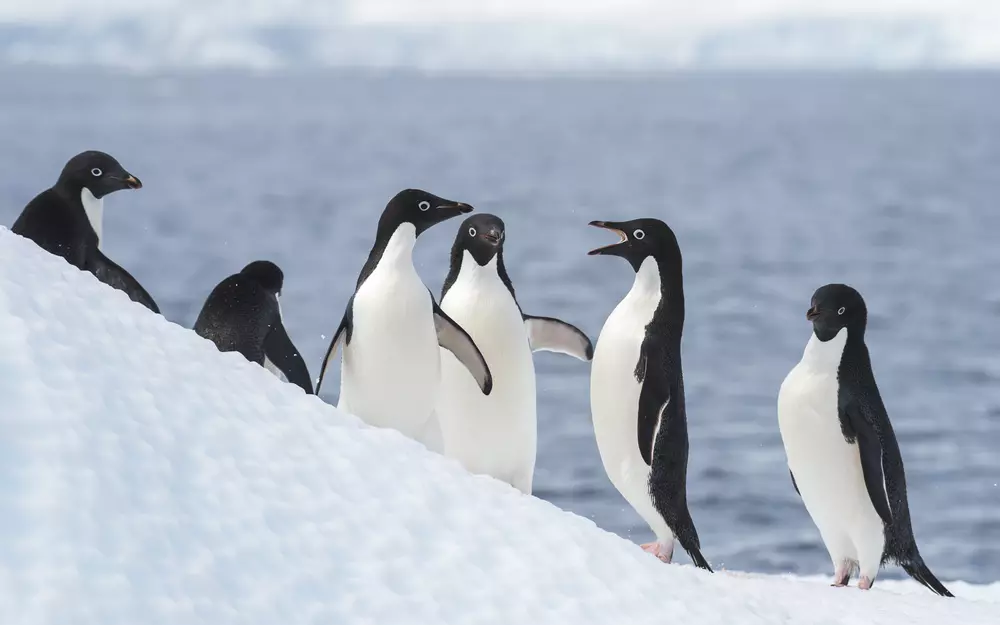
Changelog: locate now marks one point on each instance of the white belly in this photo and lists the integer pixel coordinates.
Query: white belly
(614, 398)
(826, 468)
(391, 368)
(493, 434)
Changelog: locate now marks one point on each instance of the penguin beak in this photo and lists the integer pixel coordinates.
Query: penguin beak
(812, 314)
(461, 208)
(608, 248)
(493, 237)
(132, 182)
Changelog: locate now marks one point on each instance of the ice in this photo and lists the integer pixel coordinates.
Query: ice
(503, 35)
(145, 477)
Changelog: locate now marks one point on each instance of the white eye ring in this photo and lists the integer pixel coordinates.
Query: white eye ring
(96, 172)
(841, 311)
(639, 235)
(424, 205)
(472, 232)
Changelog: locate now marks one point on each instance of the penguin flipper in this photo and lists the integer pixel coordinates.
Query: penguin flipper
(279, 349)
(456, 340)
(654, 397)
(862, 424)
(343, 335)
(549, 334)
(919, 571)
(110, 273)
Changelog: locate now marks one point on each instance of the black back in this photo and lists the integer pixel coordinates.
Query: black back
(57, 222)
(242, 315)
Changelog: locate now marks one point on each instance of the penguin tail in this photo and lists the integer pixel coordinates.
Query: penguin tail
(700, 561)
(916, 569)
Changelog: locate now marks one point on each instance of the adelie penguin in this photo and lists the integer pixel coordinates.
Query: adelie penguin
(495, 434)
(242, 314)
(392, 328)
(842, 452)
(67, 219)
(637, 387)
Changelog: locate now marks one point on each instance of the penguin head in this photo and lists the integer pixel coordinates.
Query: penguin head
(420, 208)
(638, 240)
(266, 274)
(482, 236)
(834, 307)
(97, 172)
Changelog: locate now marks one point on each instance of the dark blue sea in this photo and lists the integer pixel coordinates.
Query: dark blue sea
(775, 185)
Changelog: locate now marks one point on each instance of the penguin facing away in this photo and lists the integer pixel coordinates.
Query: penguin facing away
(67, 219)
(843, 456)
(242, 314)
(495, 434)
(392, 328)
(637, 387)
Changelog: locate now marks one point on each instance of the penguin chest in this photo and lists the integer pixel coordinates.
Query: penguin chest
(391, 367)
(614, 396)
(826, 468)
(493, 434)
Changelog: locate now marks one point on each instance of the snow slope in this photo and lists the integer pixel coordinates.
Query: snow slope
(503, 35)
(147, 478)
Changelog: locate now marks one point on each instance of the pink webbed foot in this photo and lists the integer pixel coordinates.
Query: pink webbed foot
(865, 583)
(664, 553)
(841, 576)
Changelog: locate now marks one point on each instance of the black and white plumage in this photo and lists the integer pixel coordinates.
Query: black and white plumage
(637, 387)
(242, 314)
(392, 329)
(842, 452)
(67, 219)
(495, 434)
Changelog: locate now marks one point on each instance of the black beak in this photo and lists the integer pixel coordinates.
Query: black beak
(132, 181)
(608, 248)
(493, 237)
(460, 208)
(812, 314)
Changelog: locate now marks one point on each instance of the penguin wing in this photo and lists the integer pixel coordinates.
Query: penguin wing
(858, 417)
(278, 348)
(658, 388)
(452, 337)
(46, 222)
(547, 334)
(108, 272)
(342, 335)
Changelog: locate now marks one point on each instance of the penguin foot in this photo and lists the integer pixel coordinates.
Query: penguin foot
(864, 583)
(664, 553)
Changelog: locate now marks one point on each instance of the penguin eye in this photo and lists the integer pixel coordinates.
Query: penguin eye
(639, 235)
(841, 311)
(424, 205)
(96, 172)
(472, 232)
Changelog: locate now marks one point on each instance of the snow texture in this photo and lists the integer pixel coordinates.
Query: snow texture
(145, 477)
(505, 36)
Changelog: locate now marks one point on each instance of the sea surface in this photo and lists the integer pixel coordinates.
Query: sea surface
(774, 183)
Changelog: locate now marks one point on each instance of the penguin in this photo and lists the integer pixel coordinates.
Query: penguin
(495, 434)
(637, 387)
(242, 314)
(67, 219)
(393, 327)
(842, 453)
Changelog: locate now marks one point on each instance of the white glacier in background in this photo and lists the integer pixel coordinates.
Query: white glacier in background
(147, 478)
(511, 36)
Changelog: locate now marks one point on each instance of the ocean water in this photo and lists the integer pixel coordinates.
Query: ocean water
(775, 185)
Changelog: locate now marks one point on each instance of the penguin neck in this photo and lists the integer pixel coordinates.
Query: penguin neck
(825, 355)
(465, 268)
(664, 282)
(392, 252)
(94, 208)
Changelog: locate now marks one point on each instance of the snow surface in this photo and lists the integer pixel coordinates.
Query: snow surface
(145, 477)
(503, 35)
